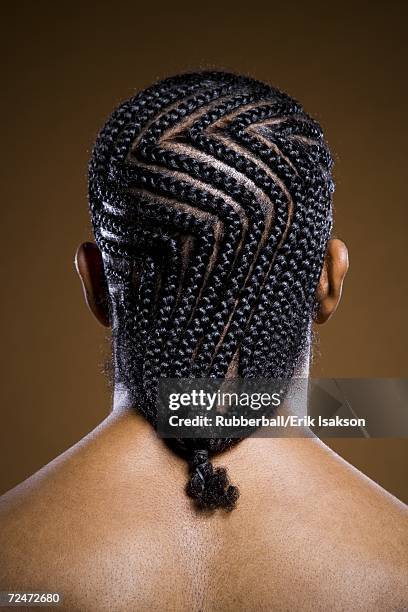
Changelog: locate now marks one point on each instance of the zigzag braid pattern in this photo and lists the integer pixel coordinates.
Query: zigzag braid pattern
(210, 197)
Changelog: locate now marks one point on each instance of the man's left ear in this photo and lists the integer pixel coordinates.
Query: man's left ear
(89, 265)
(330, 285)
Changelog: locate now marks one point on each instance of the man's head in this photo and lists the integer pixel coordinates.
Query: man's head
(210, 197)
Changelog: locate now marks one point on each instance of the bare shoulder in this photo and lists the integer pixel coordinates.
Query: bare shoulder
(321, 524)
(89, 525)
(368, 530)
(41, 526)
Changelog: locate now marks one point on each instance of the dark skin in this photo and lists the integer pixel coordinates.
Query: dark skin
(109, 526)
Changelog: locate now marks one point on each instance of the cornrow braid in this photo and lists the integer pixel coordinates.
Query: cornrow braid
(210, 196)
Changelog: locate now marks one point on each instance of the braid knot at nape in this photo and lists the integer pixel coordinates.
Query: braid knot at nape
(210, 197)
(209, 486)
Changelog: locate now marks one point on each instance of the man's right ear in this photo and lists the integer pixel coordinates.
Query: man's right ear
(330, 286)
(89, 265)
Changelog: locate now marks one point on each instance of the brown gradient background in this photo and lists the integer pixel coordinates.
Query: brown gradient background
(66, 65)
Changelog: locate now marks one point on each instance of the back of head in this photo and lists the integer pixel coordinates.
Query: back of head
(210, 196)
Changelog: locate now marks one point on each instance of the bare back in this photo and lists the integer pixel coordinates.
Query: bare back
(108, 525)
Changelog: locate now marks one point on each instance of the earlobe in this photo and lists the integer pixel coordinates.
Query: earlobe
(89, 265)
(329, 289)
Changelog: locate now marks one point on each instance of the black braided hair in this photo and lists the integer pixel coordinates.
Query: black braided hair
(210, 196)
